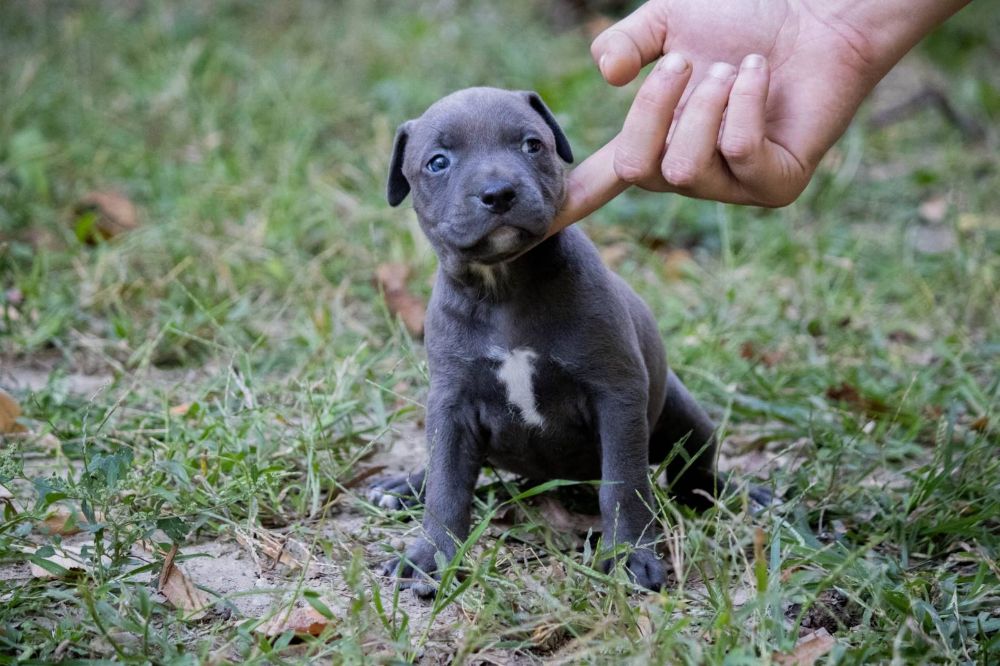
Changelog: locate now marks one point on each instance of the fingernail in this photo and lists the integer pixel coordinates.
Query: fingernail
(722, 70)
(674, 62)
(600, 63)
(753, 61)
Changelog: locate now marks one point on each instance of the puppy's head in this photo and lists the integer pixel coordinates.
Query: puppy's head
(484, 168)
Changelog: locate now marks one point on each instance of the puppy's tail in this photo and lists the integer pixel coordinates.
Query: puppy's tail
(685, 436)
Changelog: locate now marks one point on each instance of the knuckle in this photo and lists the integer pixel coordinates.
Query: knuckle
(680, 172)
(738, 148)
(630, 169)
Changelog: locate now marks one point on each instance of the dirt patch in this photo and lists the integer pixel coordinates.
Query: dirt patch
(34, 376)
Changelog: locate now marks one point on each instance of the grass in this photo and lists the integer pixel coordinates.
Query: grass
(252, 368)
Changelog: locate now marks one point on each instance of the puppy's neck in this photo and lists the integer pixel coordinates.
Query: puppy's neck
(508, 280)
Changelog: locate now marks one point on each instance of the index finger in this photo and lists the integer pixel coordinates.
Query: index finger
(588, 187)
(632, 43)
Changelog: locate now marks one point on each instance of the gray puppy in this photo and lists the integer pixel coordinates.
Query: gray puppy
(542, 361)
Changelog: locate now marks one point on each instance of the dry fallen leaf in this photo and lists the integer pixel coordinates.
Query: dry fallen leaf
(934, 209)
(643, 623)
(62, 520)
(181, 409)
(562, 519)
(768, 359)
(675, 262)
(808, 650)
(850, 395)
(982, 424)
(179, 590)
(7, 499)
(9, 412)
(304, 621)
(392, 282)
(69, 557)
(277, 549)
(112, 215)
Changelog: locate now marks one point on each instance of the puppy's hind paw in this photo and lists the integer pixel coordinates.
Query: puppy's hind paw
(644, 568)
(397, 492)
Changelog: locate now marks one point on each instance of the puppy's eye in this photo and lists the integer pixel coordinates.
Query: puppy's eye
(438, 163)
(531, 146)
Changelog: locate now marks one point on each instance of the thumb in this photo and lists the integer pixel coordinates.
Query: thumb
(627, 46)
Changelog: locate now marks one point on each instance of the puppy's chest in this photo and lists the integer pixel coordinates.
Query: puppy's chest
(523, 387)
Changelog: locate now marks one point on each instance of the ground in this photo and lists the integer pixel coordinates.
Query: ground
(207, 390)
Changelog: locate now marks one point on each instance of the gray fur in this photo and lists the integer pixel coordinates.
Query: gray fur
(607, 405)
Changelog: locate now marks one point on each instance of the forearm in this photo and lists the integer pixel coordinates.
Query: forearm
(883, 31)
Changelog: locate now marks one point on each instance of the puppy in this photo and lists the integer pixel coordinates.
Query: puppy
(542, 361)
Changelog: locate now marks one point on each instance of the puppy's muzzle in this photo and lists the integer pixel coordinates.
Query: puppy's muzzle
(498, 197)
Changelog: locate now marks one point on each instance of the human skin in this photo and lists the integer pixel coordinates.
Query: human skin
(746, 97)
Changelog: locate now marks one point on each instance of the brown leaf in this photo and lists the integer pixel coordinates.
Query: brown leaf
(179, 590)
(278, 549)
(180, 410)
(675, 261)
(643, 623)
(9, 412)
(933, 210)
(113, 215)
(304, 621)
(69, 557)
(7, 499)
(768, 359)
(808, 650)
(62, 520)
(562, 519)
(982, 424)
(391, 279)
(850, 395)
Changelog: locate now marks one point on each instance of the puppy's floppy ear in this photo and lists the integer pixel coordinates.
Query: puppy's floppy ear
(562, 144)
(398, 186)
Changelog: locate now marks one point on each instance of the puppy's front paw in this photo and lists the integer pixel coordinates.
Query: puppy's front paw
(644, 568)
(416, 570)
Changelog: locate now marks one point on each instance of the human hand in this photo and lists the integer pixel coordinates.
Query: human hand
(753, 135)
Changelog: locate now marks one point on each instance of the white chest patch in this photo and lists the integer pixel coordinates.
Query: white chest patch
(515, 372)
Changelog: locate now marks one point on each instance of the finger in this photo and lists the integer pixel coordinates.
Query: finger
(627, 46)
(743, 144)
(644, 133)
(692, 161)
(588, 187)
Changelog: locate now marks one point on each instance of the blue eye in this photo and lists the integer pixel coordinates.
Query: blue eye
(438, 163)
(531, 146)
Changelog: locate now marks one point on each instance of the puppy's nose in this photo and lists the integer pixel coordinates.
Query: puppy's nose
(498, 197)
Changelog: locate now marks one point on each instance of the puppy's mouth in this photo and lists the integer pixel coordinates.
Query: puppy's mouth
(500, 245)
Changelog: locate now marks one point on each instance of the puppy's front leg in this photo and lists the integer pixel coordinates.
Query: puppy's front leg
(454, 459)
(625, 495)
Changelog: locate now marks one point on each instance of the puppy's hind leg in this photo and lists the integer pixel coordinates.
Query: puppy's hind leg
(691, 474)
(397, 491)
(692, 468)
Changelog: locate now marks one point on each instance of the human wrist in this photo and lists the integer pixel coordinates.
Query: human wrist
(881, 32)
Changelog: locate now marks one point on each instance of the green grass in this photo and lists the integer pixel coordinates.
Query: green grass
(254, 138)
